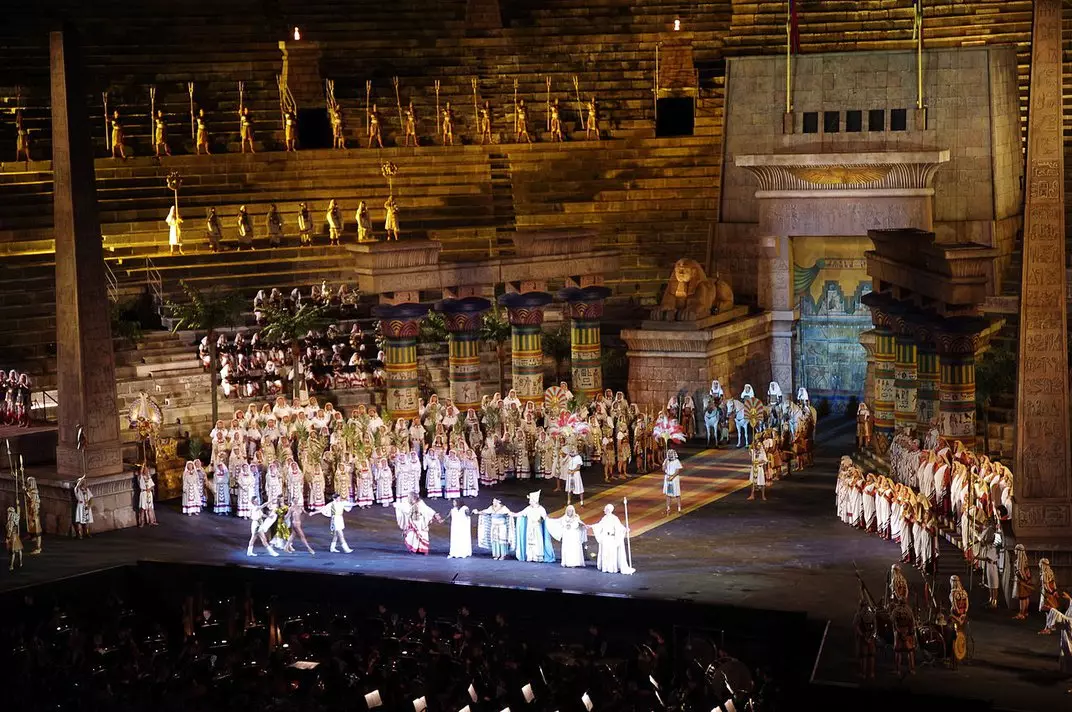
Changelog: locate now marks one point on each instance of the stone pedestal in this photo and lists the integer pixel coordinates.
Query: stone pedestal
(525, 312)
(86, 362)
(666, 358)
(401, 324)
(113, 501)
(301, 72)
(586, 349)
(463, 317)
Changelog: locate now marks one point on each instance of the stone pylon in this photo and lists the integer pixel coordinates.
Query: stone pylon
(86, 362)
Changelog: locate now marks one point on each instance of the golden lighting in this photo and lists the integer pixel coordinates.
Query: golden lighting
(677, 24)
(297, 34)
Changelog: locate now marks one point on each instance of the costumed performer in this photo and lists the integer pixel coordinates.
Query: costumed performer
(672, 479)
(496, 530)
(261, 519)
(333, 510)
(461, 531)
(146, 507)
(611, 534)
(14, 540)
(414, 518)
(758, 472)
(573, 533)
(533, 541)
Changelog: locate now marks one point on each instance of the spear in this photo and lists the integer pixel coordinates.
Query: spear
(476, 108)
(548, 80)
(368, 103)
(25, 497)
(107, 133)
(241, 103)
(515, 105)
(628, 544)
(398, 103)
(193, 122)
(152, 113)
(437, 107)
(282, 102)
(580, 105)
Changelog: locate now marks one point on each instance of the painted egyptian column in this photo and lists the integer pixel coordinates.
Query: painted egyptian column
(586, 311)
(400, 324)
(904, 376)
(463, 317)
(526, 342)
(957, 346)
(927, 377)
(885, 382)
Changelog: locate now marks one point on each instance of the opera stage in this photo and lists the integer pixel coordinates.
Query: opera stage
(789, 553)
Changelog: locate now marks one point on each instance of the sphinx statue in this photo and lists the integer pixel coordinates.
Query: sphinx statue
(691, 295)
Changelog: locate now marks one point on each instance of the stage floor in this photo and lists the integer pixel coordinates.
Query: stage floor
(788, 553)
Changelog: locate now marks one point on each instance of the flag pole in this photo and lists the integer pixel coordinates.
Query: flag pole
(919, 54)
(789, 57)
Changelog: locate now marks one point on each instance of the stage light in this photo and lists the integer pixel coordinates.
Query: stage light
(472, 693)
(677, 24)
(653, 682)
(420, 704)
(373, 700)
(527, 693)
(586, 701)
(297, 34)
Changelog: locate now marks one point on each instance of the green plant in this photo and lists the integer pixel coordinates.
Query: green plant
(207, 311)
(290, 327)
(495, 329)
(196, 447)
(615, 366)
(433, 329)
(995, 375)
(557, 344)
(125, 322)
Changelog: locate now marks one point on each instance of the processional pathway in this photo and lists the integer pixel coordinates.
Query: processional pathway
(705, 479)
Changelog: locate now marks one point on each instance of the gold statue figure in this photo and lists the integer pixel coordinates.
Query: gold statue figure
(690, 295)
(337, 127)
(202, 134)
(22, 138)
(411, 126)
(119, 147)
(522, 119)
(448, 126)
(485, 123)
(556, 122)
(591, 121)
(246, 126)
(390, 223)
(160, 135)
(290, 130)
(374, 128)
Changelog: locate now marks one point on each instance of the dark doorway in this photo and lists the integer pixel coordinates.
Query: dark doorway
(314, 128)
(675, 116)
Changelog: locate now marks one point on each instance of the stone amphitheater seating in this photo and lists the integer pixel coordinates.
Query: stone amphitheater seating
(654, 199)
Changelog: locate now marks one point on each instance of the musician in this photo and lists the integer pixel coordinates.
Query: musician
(1023, 586)
(865, 627)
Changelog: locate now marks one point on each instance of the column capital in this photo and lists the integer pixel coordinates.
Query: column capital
(962, 337)
(525, 309)
(400, 321)
(586, 303)
(463, 315)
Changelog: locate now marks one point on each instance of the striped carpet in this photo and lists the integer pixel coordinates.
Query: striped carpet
(708, 476)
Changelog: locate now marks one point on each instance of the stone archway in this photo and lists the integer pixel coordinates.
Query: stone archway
(832, 198)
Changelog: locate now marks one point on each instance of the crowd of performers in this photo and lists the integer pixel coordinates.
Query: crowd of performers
(16, 388)
(330, 359)
(272, 463)
(939, 489)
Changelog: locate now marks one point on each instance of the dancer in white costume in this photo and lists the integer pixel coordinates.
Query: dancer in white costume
(333, 510)
(262, 517)
(672, 479)
(611, 535)
(461, 532)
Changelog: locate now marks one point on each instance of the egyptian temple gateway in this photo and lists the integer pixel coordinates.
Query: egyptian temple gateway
(865, 213)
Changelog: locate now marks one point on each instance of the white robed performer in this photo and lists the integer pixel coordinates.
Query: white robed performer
(146, 505)
(261, 519)
(191, 490)
(414, 518)
(533, 541)
(573, 533)
(222, 482)
(1062, 622)
(574, 483)
(611, 535)
(333, 510)
(244, 491)
(716, 390)
(461, 532)
(672, 479)
(83, 511)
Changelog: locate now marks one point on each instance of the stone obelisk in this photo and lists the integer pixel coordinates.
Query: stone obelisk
(85, 360)
(1042, 512)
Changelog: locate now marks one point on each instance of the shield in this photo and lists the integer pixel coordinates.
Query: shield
(960, 645)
